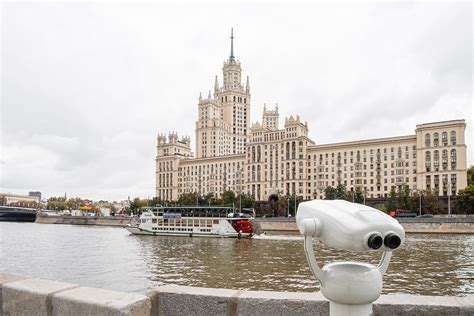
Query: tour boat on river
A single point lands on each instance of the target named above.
(192, 221)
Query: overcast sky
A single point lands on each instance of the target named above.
(86, 87)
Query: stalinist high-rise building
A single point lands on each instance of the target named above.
(263, 158)
(222, 126)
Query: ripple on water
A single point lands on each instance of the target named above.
(112, 258)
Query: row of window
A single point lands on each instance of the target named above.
(444, 139)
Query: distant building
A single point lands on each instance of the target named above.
(263, 158)
(19, 200)
(35, 193)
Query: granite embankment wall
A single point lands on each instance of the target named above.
(26, 296)
(460, 225)
(118, 221)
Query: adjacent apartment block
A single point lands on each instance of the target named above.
(264, 158)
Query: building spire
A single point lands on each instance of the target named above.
(216, 86)
(232, 57)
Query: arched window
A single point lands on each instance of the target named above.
(253, 153)
(435, 139)
(453, 138)
(444, 138)
(293, 150)
(428, 161)
(253, 173)
(258, 173)
(287, 151)
(258, 153)
(453, 159)
(436, 160)
(427, 140)
(445, 159)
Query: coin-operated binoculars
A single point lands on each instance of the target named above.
(351, 287)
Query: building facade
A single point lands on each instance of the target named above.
(19, 199)
(264, 159)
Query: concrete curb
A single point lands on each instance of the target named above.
(26, 296)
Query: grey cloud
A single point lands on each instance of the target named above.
(88, 86)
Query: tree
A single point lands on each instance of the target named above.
(359, 196)
(341, 192)
(403, 198)
(415, 201)
(330, 193)
(73, 204)
(470, 176)
(56, 203)
(465, 200)
(248, 201)
(392, 200)
(228, 198)
(188, 199)
(155, 201)
(208, 199)
(282, 205)
(430, 201)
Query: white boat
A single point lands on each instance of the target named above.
(192, 221)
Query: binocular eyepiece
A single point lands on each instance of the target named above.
(391, 241)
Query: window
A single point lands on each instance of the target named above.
(445, 159)
(444, 138)
(453, 138)
(428, 161)
(427, 140)
(453, 159)
(436, 160)
(435, 139)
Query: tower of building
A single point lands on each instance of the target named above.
(223, 123)
(270, 118)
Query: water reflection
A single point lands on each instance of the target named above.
(428, 265)
(112, 258)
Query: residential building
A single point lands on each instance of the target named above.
(264, 159)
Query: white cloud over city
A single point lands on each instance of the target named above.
(86, 87)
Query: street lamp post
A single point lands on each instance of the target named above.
(295, 204)
(449, 198)
(288, 206)
(419, 197)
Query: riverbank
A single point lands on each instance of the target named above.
(116, 221)
(458, 225)
(26, 296)
(279, 225)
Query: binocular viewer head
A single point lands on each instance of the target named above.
(349, 226)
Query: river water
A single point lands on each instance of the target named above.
(112, 258)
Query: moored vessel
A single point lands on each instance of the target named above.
(192, 221)
(17, 214)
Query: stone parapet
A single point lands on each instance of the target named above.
(23, 296)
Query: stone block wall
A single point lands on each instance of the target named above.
(27, 296)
